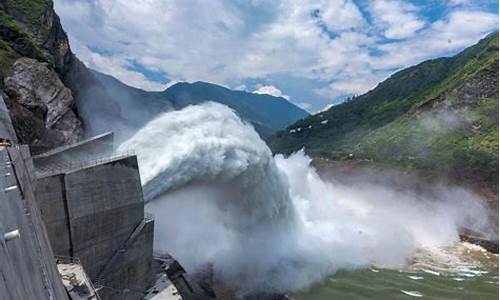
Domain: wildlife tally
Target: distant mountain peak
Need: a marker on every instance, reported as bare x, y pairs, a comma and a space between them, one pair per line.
267, 113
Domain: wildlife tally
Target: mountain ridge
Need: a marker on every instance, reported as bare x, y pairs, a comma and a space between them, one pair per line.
32, 29
267, 113
422, 117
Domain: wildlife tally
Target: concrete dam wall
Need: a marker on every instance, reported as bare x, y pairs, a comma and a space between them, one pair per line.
27, 265
96, 213
81, 153
91, 212
73, 226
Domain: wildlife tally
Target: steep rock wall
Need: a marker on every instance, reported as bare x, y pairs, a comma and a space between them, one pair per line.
32, 29
37, 93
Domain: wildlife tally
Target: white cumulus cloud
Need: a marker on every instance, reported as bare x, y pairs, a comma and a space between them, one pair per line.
345, 46
397, 19
271, 90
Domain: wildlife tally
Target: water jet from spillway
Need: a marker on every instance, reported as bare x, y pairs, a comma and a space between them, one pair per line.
271, 223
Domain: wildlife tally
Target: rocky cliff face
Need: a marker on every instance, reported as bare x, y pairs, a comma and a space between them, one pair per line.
32, 29
41, 106
80, 104
97, 109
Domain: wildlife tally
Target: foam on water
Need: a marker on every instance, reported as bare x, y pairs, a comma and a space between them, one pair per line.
412, 293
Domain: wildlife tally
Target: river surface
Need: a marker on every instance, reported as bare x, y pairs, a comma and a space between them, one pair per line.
464, 271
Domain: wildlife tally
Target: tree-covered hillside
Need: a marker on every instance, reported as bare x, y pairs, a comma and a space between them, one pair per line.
440, 116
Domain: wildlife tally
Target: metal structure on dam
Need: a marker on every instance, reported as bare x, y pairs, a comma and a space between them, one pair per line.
73, 226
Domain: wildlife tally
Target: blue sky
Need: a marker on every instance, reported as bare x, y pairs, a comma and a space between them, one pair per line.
314, 53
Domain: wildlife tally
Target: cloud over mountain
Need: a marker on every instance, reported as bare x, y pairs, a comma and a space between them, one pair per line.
340, 47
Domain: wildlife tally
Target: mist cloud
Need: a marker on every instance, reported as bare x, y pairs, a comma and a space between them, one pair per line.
271, 223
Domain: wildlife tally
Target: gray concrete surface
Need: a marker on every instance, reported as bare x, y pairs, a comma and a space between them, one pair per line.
104, 205
131, 274
94, 211
88, 149
96, 214
6, 128
27, 266
51, 201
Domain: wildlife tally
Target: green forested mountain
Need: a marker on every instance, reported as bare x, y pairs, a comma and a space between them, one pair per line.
440, 116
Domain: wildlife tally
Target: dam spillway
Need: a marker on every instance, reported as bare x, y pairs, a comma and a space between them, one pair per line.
73, 225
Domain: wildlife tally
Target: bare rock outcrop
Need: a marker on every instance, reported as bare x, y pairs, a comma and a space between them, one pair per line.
32, 29
36, 93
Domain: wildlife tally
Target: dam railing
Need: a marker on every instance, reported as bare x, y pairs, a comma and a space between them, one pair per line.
66, 166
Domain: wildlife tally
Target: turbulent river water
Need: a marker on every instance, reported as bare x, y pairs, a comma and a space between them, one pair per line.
463, 272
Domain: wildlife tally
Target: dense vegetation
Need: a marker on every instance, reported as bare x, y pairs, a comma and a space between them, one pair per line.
20, 28
440, 116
